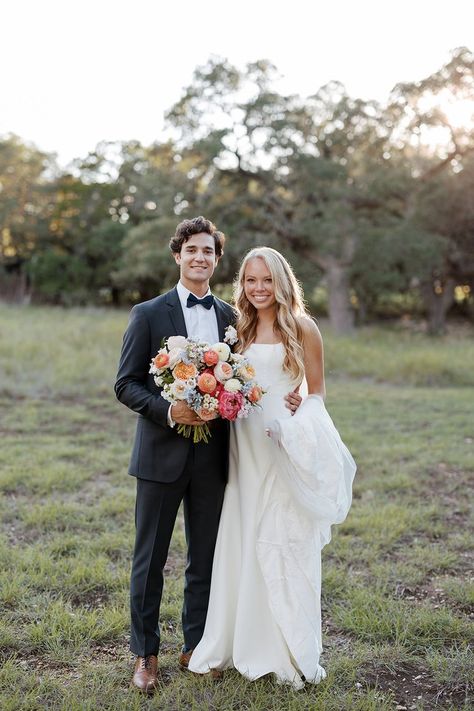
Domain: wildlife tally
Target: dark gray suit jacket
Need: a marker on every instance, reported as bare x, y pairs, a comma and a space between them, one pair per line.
159, 452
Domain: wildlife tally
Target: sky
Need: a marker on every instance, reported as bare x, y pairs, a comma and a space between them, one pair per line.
73, 74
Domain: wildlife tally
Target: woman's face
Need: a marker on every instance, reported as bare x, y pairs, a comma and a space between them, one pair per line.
258, 284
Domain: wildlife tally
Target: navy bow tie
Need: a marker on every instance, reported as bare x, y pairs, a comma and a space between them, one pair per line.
207, 301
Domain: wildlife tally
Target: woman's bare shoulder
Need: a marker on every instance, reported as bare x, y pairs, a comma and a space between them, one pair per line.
310, 330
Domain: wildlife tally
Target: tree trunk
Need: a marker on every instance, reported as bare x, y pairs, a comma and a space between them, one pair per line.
438, 302
115, 296
341, 313
15, 287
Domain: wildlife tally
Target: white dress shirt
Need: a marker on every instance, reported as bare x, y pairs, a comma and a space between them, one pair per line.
200, 322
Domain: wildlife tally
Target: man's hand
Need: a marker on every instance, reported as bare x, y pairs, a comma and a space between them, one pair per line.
183, 415
293, 400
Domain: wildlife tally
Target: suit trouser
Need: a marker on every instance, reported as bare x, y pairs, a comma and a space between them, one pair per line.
157, 504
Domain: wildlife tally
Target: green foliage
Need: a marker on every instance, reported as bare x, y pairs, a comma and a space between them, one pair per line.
147, 265
22, 198
60, 277
381, 221
394, 260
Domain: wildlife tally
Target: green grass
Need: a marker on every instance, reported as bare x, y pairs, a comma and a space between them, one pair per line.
397, 577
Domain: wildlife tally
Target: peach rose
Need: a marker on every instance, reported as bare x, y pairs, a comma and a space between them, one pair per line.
223, 371
161, 360
247, 372
206, 383
210, 357
207, 415
255, 394
184, 371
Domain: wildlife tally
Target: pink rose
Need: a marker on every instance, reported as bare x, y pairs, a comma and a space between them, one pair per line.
230, 404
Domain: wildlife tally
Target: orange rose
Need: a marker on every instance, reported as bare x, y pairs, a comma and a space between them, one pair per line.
211, 357
183, 371
161, 360
255, 394
207, 383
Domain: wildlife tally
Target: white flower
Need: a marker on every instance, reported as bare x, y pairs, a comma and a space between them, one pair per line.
158, 381
222, 350
237, 358
233, 385
175, 355
210, 403
230, 335
176, 342
166, 394
223, 371
179, 389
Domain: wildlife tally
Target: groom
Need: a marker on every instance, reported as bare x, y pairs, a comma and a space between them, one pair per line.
170, 468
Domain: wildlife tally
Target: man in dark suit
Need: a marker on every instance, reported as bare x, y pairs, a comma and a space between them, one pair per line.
170, 468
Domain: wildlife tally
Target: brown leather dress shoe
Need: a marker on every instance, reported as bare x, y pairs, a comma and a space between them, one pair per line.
145, 674
184, 659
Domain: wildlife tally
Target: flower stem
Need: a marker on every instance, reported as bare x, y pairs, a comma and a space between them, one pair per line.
200, 433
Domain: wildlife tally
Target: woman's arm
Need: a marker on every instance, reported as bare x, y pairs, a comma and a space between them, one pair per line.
313, 357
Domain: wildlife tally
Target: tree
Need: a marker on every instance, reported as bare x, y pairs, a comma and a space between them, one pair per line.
147, 266
433, 120
222, 125
332, 147
77, 245
22, 203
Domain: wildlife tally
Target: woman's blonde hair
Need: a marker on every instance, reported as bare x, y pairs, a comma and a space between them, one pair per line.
289, 309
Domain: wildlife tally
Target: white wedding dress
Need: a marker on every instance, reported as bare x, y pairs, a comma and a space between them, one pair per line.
283, 494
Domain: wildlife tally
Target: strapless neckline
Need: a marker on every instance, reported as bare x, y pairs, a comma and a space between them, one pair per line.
279, 343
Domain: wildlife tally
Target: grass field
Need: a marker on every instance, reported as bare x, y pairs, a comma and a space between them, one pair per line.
397, 577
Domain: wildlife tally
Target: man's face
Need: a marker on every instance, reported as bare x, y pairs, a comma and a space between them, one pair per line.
197, 261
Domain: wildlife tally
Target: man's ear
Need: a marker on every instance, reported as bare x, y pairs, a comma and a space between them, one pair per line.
177, 257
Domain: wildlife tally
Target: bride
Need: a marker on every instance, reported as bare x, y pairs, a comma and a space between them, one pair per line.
290, 479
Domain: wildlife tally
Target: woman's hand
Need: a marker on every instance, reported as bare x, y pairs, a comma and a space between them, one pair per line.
293, 400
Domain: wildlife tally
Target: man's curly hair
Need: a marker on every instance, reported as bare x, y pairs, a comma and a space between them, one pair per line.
195, 226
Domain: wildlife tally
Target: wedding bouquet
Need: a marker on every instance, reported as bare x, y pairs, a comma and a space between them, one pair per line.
213, 381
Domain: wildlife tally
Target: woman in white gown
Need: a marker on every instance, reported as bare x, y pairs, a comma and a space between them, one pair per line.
290, 478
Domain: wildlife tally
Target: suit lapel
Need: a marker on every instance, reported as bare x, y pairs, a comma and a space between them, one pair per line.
176, 313
222, 320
